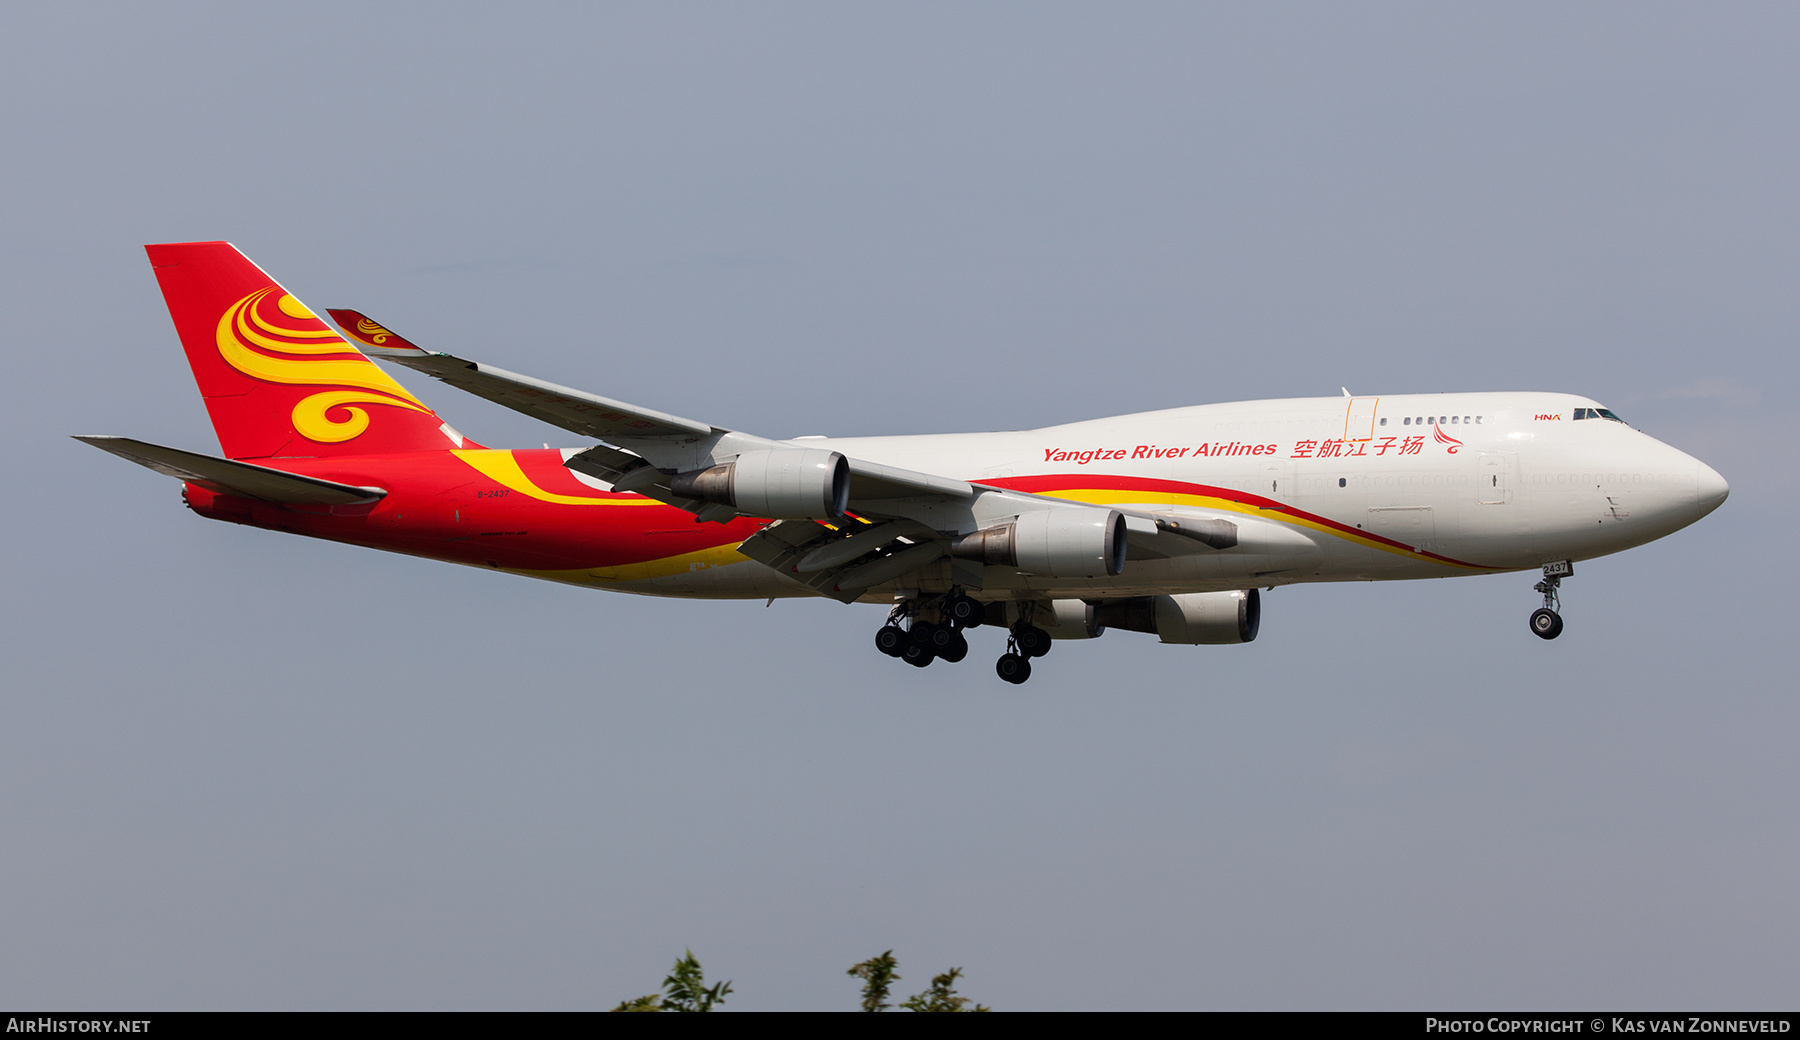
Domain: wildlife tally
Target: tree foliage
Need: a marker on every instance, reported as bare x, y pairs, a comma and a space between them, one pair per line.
685, 989
942, 996
879, 973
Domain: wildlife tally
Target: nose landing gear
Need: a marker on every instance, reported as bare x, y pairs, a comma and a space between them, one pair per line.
1546, 623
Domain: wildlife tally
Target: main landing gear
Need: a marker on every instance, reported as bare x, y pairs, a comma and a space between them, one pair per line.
1546, 623
922, 632
1026, 642
925, 640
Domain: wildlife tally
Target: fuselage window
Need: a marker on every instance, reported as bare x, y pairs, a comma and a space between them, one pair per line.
1384, 422
1340, 482
1453, 420
1406, 421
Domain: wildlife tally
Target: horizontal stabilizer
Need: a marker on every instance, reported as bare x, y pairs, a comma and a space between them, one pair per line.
226, 477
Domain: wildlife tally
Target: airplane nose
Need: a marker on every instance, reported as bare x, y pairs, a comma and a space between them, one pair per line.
1710, 489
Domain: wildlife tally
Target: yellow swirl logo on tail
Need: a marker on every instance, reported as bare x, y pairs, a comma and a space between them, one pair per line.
373, 332
244, 328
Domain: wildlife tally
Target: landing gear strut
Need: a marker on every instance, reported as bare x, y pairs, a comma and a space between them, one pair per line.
1546, 623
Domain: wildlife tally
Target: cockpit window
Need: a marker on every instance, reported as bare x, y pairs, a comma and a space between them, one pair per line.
1598, 413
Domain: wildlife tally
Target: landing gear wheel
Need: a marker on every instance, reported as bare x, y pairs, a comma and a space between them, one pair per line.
957, 650
963, 611
917, 654
933, 637
1546, 623
1013, 668
1032, 641
891, 640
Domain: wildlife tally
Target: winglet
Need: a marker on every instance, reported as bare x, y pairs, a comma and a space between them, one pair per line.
374, 339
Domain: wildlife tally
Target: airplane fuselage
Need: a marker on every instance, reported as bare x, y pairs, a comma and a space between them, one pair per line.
1327, 489
1166, 522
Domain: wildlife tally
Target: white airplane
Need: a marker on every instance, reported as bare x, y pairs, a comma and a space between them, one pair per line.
1164, 522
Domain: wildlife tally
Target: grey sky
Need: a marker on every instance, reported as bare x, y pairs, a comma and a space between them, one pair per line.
242, 770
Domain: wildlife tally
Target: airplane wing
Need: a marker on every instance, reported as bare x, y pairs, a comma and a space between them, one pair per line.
874, 522
614, 422
226, 477
573, 410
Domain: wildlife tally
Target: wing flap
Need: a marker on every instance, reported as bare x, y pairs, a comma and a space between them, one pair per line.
784, 543
227, 477
843, 563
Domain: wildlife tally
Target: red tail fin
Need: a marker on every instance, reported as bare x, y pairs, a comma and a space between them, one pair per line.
278, 381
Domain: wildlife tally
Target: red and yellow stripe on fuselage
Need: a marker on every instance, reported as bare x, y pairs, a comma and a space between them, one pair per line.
514, 510
523, 511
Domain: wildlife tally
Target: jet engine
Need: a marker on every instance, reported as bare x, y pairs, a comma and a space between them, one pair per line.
1079, 542
780, 484
1192, 617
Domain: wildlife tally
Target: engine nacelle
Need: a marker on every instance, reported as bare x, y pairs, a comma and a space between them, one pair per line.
1209, 617
1192, 617
1082, 542
780, 484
